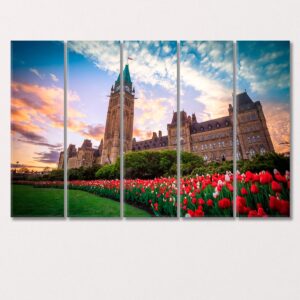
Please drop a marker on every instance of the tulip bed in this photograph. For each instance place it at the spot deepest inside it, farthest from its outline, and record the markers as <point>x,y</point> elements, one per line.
<point>207,196</point>
<point>263,194</point>
<point>159,195</point>
<point>258,194</point>
<point>103,188</point>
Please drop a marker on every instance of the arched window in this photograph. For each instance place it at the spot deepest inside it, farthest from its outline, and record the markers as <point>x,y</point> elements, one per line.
<point>205,157</point>
<point>262,150</point>
<point>251,152</point>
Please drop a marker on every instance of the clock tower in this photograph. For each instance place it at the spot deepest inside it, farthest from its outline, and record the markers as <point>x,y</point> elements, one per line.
<point>111,143</point>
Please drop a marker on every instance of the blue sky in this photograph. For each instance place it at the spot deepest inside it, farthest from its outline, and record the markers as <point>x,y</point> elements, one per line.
<point>206,71</point>
<point>94,67</point>
<point>90,77</point>
<point>37,102</point>
<point>263,69</point>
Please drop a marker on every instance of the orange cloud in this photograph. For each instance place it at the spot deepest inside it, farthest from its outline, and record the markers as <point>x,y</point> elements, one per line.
<point>141,134</point>
<point>278,121</point>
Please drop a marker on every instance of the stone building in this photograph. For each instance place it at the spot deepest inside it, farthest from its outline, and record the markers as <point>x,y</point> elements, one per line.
<point>212,139</point>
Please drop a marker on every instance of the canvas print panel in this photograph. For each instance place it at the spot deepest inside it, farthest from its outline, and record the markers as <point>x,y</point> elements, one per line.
<point>37,122</point>
<point>150,128</point>
<point>263,128</point>
<point>206,128</point>
<point>93,129</point>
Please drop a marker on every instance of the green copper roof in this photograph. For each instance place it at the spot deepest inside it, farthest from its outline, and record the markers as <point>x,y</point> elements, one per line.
<point>126,76</point>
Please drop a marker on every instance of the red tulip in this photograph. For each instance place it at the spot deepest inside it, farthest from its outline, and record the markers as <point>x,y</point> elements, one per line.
<point>210,203</point>
<point>244,191</point>
<point>276,187</point>
<point>254,189</point>
<point>224,203</point>
<point>265,178</point>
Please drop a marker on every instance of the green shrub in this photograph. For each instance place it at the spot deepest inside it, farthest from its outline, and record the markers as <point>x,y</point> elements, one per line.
<point>267,162</point>
<point>109,171</point>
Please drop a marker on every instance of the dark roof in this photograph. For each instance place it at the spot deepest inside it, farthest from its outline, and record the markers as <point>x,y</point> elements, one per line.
<point>211,124</point>
<point>87,144</point>
<point>244,102</point>
<point>151,143</point>
<point>183,117</point>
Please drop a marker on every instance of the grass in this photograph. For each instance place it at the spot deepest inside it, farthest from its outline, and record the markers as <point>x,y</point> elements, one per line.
<point>28,201</point>
<point>83,204</point>
<point>48,202</point>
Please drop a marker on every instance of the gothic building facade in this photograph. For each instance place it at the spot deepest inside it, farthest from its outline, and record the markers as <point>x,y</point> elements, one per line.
<point>212,139</point>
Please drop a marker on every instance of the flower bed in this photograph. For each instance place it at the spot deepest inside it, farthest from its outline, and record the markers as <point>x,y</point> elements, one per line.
<point>263,194</point>
<point>160,195</point>
<point>258,194</point>
<point>207,196</point>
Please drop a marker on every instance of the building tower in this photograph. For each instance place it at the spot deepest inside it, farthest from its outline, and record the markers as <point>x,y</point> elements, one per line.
<point>129,96</point>
<point>111,143</point>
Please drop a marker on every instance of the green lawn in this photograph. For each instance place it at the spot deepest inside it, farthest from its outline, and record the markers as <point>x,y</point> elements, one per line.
<point>47,202</point>
<point>28,201</point>
<point>83,204</point>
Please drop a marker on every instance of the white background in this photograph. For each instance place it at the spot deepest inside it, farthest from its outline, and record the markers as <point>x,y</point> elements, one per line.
<point>147,259</point>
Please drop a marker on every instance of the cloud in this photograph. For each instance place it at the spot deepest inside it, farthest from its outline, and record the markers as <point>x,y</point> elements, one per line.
<point>206,76</point>
<point>151,113</point>
<point>53,77</point>
<point>47,157</point>
<point>37,104</point>
<point>27,131</point>
<point>53,146</point>
<point>264,66</point>
<point>278,122</point>
<point>152,65</point>
<point>95,132</point>
<point>104,54</point>
<point>36,72</point>
<point>26,166</point>
<point>141,134</point>
<point>212,94</point>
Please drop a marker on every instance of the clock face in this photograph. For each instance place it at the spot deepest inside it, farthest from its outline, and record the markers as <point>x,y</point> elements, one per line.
<point>118,88</point>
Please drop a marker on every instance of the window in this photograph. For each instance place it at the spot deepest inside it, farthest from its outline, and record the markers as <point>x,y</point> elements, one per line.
<point>262,150</point>
<point>251,152</point>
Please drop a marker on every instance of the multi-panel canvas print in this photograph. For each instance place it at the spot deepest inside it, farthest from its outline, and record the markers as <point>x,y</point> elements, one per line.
<point>206,128</point>
<point>263,128</point>
<point>93,115</point>
<point>150,128</point>
<point>134,110</point>
<point>37,126</point>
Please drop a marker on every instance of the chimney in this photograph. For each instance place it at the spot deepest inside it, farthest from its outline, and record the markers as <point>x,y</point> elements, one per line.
<point>194,118</point>
<point>159,134</point>
<point>154,136</point>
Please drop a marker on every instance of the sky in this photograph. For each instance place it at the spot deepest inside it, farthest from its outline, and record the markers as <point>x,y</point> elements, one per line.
<point>153,70</point>
<point>206,69</point>
<point>36,103</point>
<point>93,67</point>
<point>264,71</point>
<point>206,78</point>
